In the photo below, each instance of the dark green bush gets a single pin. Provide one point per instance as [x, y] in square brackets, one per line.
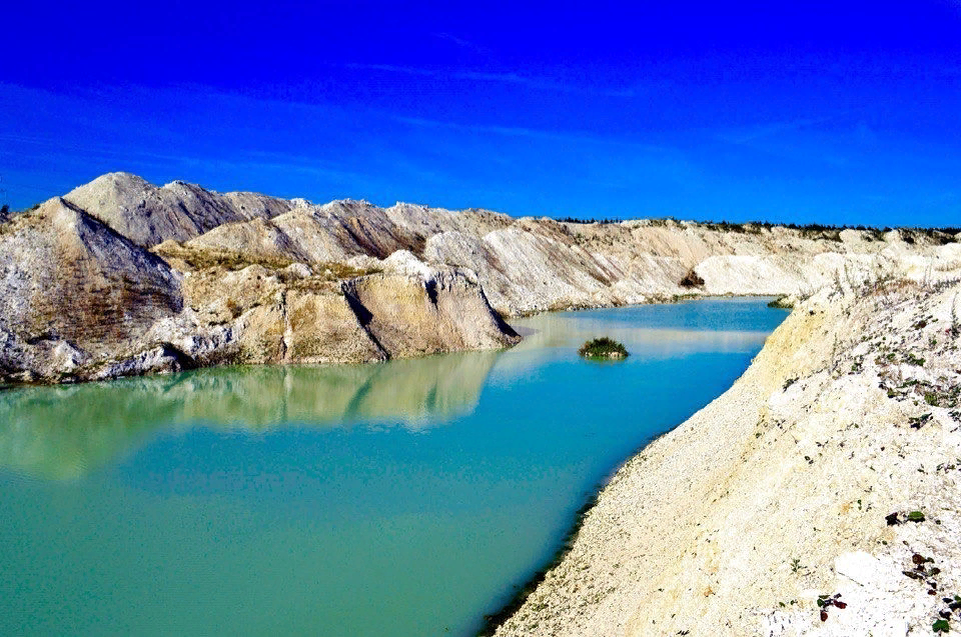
[603, 347]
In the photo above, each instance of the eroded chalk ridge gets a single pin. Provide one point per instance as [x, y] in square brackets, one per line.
[817, 496]
[121, 277]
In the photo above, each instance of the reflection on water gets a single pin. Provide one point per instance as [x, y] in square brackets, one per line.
[652, 331]
[326, 500]
[63, 432]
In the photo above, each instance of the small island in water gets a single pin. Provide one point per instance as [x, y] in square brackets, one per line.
[603, 348]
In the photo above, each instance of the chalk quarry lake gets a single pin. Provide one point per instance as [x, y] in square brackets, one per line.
[407, 499]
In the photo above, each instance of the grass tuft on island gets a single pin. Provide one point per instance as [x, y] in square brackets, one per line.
[603, 348]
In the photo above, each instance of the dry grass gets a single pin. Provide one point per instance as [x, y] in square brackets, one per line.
[205, 259]
[200, 259]
[341, 271]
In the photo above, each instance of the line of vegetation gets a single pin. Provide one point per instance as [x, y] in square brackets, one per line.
[206, 258]
[586, 220]
[941, 235]
[209, 258]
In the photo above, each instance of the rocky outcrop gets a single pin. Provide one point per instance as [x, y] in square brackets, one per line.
[837, 477]
[123, 277]
[410, 293]
[78, 301]
[259, 239]
[528, 265]
[148, 215]
[525, 265]
[73, 290]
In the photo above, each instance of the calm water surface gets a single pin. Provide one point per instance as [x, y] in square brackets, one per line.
[408, 498]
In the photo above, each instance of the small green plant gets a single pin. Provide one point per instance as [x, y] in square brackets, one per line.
[603, 347]
[826, 601]
[916, 422]
[941, 626]
[915, 516]
[797, 567]
[911, 359]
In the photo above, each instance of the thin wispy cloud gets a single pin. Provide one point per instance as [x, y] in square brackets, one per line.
[538, 83]
[534, 133]
[464, 44]
[90, 151]
[763, 131]
[604, 162]
[278, 162]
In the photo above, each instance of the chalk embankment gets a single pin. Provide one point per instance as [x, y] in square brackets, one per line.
[784, 489]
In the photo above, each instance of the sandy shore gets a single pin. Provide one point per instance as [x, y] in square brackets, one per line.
[781, 490]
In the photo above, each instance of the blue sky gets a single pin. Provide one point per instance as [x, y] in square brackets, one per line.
[828, 112]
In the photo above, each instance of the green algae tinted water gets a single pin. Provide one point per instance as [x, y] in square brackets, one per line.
[402, 499]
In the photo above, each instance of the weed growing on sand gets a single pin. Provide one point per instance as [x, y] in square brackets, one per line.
[911, 359]
[896, 518]
[827, 601]
[916, 422]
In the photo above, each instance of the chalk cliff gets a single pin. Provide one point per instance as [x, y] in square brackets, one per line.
[79, 301]
[121, 277]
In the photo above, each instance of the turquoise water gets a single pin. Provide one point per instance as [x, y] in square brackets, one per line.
[408, 498]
